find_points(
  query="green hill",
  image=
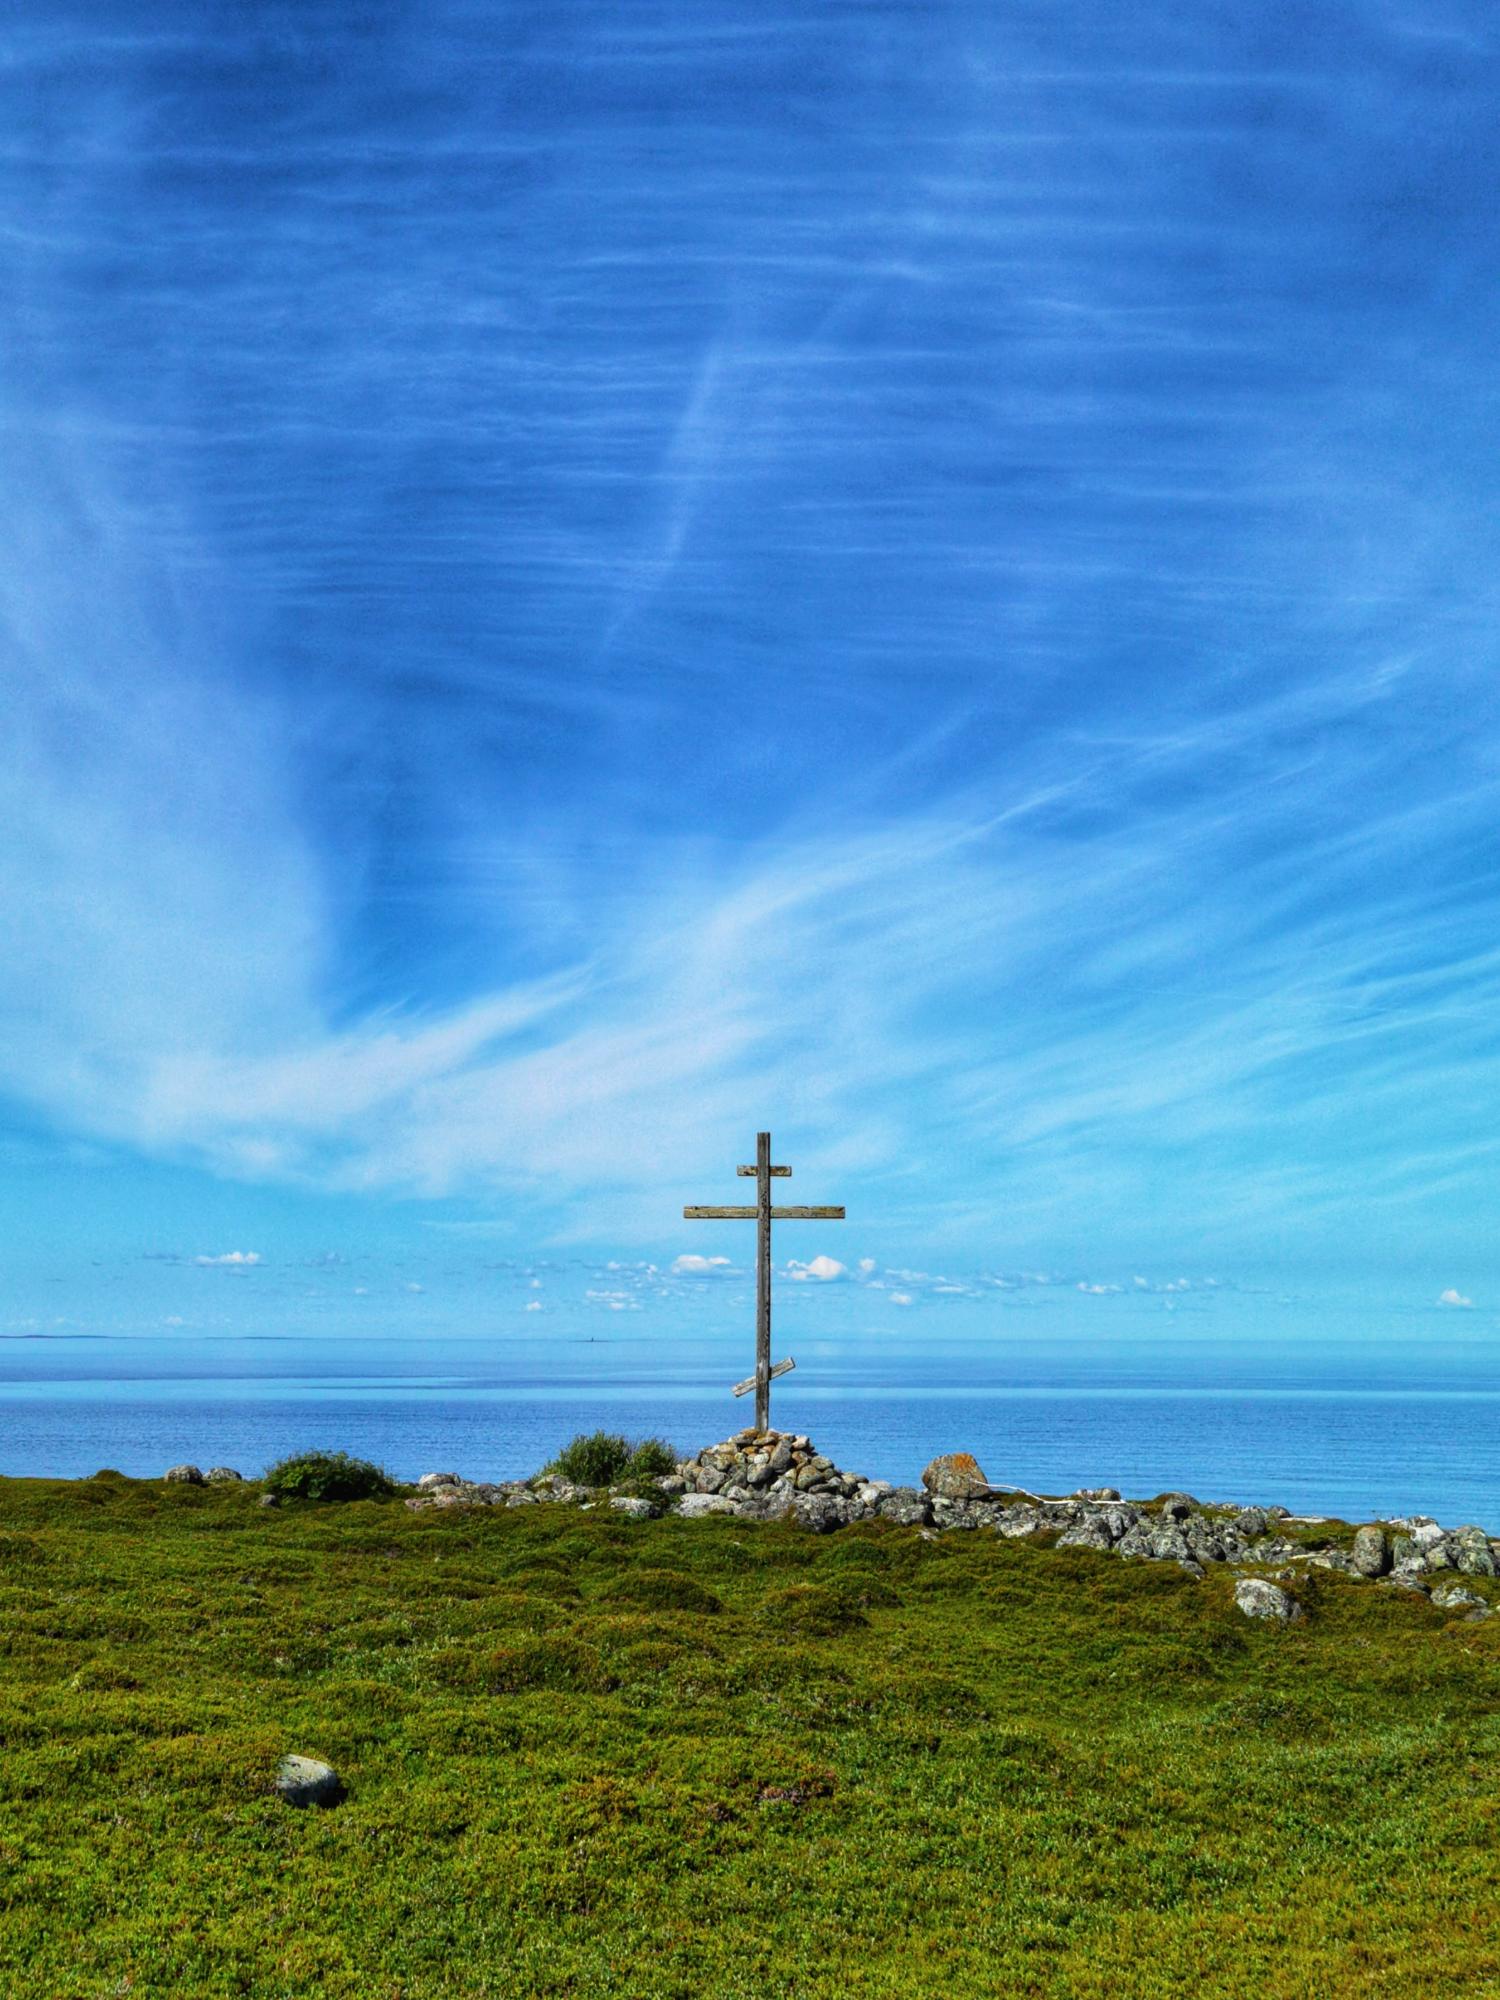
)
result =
(598, 1756)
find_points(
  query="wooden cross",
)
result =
(763, 1215)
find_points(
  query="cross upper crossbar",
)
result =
(763, 1215)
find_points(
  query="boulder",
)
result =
(1177, 1506)
(956, 1475)
(1013, 1522)
(1371, 1555)
(429, 1480)
(906, 1507)
(695, 1506)
(818, 1512)
(1258, 1598)
(1089, 1533)
(631, 1506)
(269, 1500)
(183, 1475)
(1096, 1493)
(223, 1475)
(1472, 1551)
(308, 1781)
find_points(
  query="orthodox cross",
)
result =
(763, 1215)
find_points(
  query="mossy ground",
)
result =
(593, 1756)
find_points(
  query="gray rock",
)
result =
(1457, 1597)
(1250, 1522)
(1258, 1598)
(431, 1479)
(672, 1482)
(1402, 1578)
(307, 1781)
(956, 1475)
(1472, 1551)
(224, 1475)
(819, 1512)
(1167, 1545)
(631, 1506)
(1013, 1522)
(1135, 1544)
(1089, 1533)
(1096, 1493)
(182, 1475)
(906, 1506)
(1119, 1517)
(269, 1500)
(1177, 1506)
(1371, 1555)
(695, 1506)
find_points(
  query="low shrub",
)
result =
(566, 1665)
(812, 1610)
(605, 1458)
(327, 1475)
(662, 1590)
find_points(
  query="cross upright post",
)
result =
(763, 1215)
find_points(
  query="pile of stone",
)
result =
(779, 1475)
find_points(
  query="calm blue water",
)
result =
(1342, 1430)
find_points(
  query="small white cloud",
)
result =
(536, 1284)
(1141, 1284)
(174, 1319)
(232, 1259)
(866, 1266)
(1453, 1298)
(900, 1298)
(691, 1266)
(533, 1305)
(1096, 1291)
(822, 1270)
(412, 1286)
(361, 1291)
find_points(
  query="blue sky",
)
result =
(580, 580)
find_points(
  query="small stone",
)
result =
(183, 1475)
(956, 1475)
(1259, 1599)
(431, 1479)
(1371, 1555)
(632, 1507)
(1097, 1493)
(307, 1781)
(695, 1506)
(269, 1500)
(224, 1475)
(906, 1507)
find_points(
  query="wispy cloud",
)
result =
(966, 633)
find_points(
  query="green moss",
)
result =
(884, 1767)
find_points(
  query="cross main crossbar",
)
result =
(750, 1214)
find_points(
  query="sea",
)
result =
(1349, 1429)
